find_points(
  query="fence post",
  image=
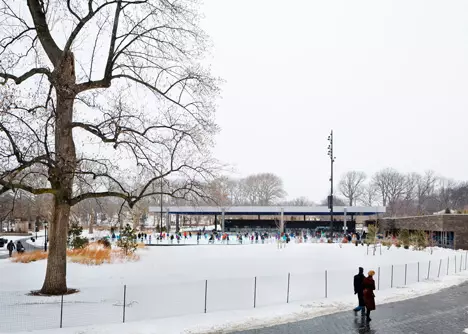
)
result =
(124, 302)
(448, 263)
(418, 271)
(406, 268)
(440, 265)
(378, 281)
(367, 249)
(428, 270)
(206, 292)
(255, 292)
(289, 279)
(61, 312)
(326, 282)
(391, 281)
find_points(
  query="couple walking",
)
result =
(364, 288)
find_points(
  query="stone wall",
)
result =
(440, 223)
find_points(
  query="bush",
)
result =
(371, 234)
(105, 243)
(75, 240)
(404, 238)
(127, 241)
(421, 240)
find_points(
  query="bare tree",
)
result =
(119, 75)
(263, 189)
(336, 201)
(300, 201)
(425, 188)
(369, 195)
(351, 186)
(391, 185)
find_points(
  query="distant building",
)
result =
(446, 230)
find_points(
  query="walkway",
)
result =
(27, 247)
(444, 312)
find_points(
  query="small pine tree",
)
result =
(421, 240)
(128, 240)
(404, 238)
(371, 234)
(75, 240)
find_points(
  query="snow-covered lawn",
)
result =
(168, 286)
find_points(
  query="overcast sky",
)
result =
(389, 77)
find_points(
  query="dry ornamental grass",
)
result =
(93, 254)
(29, 256)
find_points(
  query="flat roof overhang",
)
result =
(270, 210)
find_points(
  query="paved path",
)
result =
(27, 247)
(444, 312)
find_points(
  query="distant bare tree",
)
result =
(263, 189)
(351, 186)
(425, 188)
(92, 86)
(337, 201)
(391, 185)
(370, 194)
(300, 201)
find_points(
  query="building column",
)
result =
(344, 221)
(222, 220)
(282, 221)
(216, 223)
(177, 228)
(168, 222)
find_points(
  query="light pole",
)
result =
(332, 160)
(45, 236)
(161, 207)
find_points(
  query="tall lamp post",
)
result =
(332, 160)
(161, 207)
(45, 236)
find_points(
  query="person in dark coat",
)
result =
(369, 298)
(358, 290)
(19, 247)
(10, 247)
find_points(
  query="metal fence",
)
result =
(124, 303)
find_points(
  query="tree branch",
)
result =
(25, 76)
(50, 47)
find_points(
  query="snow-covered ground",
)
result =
(168, 286)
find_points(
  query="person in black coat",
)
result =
(359, 291)
(19, 247)
(10, 247)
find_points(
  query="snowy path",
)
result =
(26, 241)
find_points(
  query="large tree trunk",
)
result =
(92, 221)
(55, 282)
(61, 178)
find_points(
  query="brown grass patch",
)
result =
(29, 256)
(141, 245)
(94, 254)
